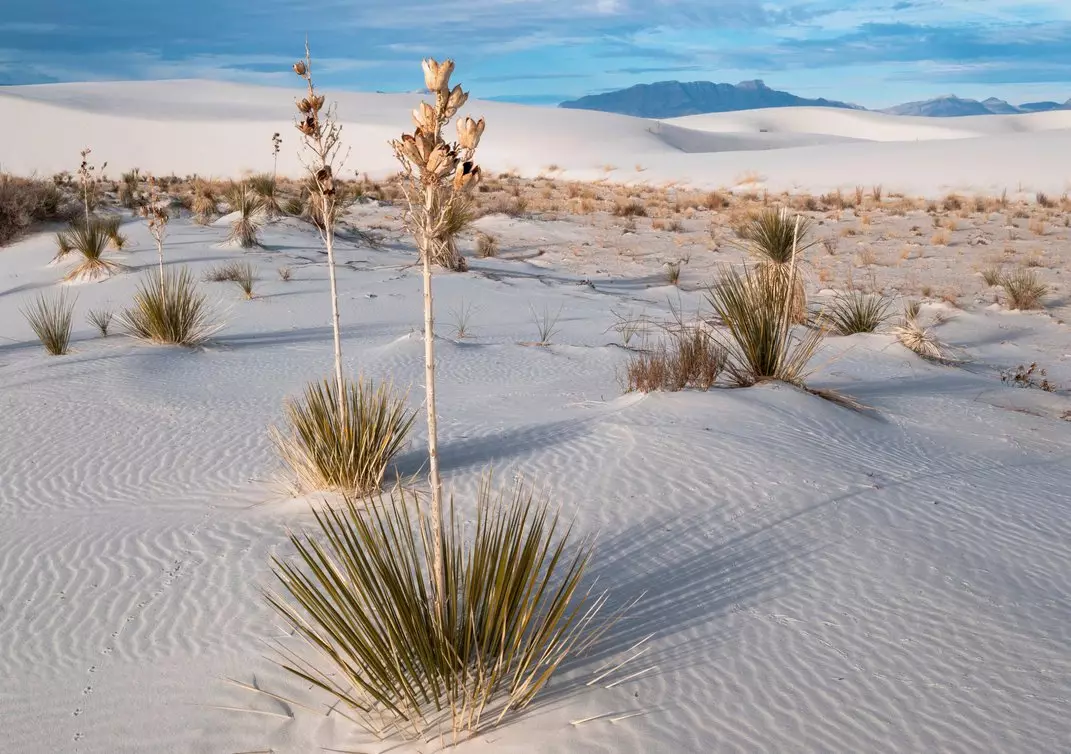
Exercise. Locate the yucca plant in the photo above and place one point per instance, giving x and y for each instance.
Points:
(349, 450)
(168, 308)
(51, 319)
(100, 319)
(63, 245)
(91, 241)
(773, 236)
(513, 609)
(263, 185)
(915, 337)
(852, 312)
(246, 276)
(204, 203)
(1024, 289)
(756, 310)
(251, 209)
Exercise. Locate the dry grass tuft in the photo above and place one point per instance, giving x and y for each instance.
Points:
(1024, 289)
(252, 210)
(51, 320)
(852, 312)
(687, 358)
(25, 202)
(100, 319)
(486, 245)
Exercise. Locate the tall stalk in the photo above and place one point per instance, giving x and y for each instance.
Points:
(438, 175)
(321, 131)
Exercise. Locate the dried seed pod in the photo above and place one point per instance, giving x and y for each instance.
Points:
(318, 103)
(441, 162)
(437, 75)
(304, 105)
(325, 180)
(457, 99)
(425, 117)
(469, 132)
(299, 68)
(466, 176)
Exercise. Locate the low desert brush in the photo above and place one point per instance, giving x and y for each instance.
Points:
(204, 204)
(91, 241)
(230, 272)
(263, 185)
(285, 273)
(347, 450)
(246, 276)
(486, 245)
(51, 319)
(756, 310)
(1024, 289)
(685, 358)
(915, 337)
(992, 275)
(26, 201)
(169, 309)
(250, 207)
(100, 319)
(1031, 376)
(851, 312)
(513, 608)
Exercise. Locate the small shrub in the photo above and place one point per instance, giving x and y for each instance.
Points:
(246, 276)
(1024, 289)
(755, 308)
(26, 201)
(169, 310)
(205, 203)
(1028, 377)
(512, 610)
(350, 450)
(231, 272)
(250, 207)
(486, 246)
(100, 319)
(853, 312)
(770, 235)
(51, 320)
(546, 324)
(462, 318)
(992, 276)
(630, 208)
(688, 357)
(1044, 200)
(91, 241)
(284, 274)
(263, 185)
(673, 272)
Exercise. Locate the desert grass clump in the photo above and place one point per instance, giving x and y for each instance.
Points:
(63, 245)
(231, 272)
(513, 609)
(205, 203)
(913, 336)
(245, 277)
(100, 319)
(263, 185)
(168, 308)
(756, 309)
(346, 450)
(486, 245)
(852, 312)
(1024, 289)
(251, 209)
(630, 208)
(90, 239)
(546, 324)
(51, 319)
(687, 358)
(992, 275)
(285, 273)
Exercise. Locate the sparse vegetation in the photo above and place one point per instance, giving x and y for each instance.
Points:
(1031, 376)
(91, 241)
(1024, 289)
(25, 202)
(992, 275)
(486, 245)
(100, 319)
(687, 357)
(51, 319)
(546, 324)
(251, 209)
(246, 277)
(462, 319)
(915, 337)
(284, 273)
(851, 312)
(169, 309)
(348, 451)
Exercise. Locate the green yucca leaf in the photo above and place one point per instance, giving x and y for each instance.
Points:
(770, 235)
(853, 312)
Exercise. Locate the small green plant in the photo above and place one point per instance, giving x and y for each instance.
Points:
(770, 234)
(169, 309)
(546, 324)
(629, 325)
(263, 185)
(247, 275)
(91, 241)
(512, 610)
(853, 312)
(63, 245)
(1024, 289)
(349, 450)
(51, 319)
(251, 209)
(100, 319)
(462, 319)
(756, 308)
(486, 245)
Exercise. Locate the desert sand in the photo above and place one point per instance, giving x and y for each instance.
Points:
(813, 578)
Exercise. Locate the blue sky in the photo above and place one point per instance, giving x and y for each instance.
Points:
(875, 52)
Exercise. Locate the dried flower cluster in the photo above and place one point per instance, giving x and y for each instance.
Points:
(157, 214)
(439, 174)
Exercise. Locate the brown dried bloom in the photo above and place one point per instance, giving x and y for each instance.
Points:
(437, 75)
(299, 68)
(469, 132)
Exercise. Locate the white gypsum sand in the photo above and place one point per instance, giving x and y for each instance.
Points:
(815, 579)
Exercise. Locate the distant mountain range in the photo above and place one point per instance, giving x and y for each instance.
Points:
(673, 99)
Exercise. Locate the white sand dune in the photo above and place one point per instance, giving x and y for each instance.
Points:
(224, 129)
(815, 579)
